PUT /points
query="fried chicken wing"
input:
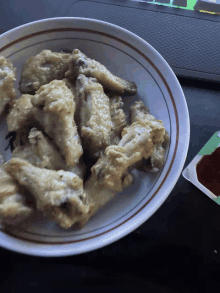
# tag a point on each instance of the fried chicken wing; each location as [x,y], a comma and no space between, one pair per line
[99,194]
[58,193]
[139,112]
[138,142]
[154,163]
[42,153]
[95,118]
[79,63]
[118,118]
[41,69]
[20,114]
[71,85]
[7,80]
[54,110]
[13,208]
[39,152]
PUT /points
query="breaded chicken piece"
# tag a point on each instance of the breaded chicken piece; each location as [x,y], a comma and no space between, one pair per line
[54,109]
[39,152]
[7,81]
[41,69]
[99,194]
[70,83]
[95,118]
[79,63]
[118,118]
[139,112]
[13,208]
[154,163]
[20,113]
[138,142]
[42,153]
[58,193]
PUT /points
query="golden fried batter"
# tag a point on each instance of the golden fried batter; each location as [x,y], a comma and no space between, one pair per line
[41,69]
[58,193]
[96,125]
[140,114]
[54,110]
[99,194]
[42,153]
[39,152]
[20,113]
[118,118]
[13,208]
[137,142]
[7,80]
[79,63]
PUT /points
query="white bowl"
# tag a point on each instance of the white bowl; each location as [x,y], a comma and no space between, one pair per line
[130,57]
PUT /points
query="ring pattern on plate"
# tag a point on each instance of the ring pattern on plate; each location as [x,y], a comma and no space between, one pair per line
[9,232]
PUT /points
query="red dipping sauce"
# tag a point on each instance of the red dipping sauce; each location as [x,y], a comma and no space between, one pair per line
[208,171]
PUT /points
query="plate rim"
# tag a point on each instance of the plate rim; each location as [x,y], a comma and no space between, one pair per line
[139,220]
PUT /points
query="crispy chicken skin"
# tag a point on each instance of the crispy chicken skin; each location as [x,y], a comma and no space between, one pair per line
[95,118]
[13,208]
[58,193]
[20,113]
[7,80]
[99,194]
[54,109]
[39,152]
[41,69]
[118,118]
[139,112]
[42,153]
[138,142]
[79,63]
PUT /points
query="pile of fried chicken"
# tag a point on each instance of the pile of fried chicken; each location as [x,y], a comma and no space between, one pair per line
[73,147]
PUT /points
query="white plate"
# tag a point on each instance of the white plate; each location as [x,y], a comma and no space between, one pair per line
[132,58]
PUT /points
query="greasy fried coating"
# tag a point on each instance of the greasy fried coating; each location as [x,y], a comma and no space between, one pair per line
[58,193]
[95,118]
[154,163]
[118,118]
[138,142]
[12,204]
[99,194]
[140,114]
[79,63]
[42,153]
[39,152]
[41,69]
[54,110]
[7,80]
[71,85]
[20,113]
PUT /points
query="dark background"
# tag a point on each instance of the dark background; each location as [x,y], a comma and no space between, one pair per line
[176,250]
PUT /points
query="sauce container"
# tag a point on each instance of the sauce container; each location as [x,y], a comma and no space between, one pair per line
[204,169]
